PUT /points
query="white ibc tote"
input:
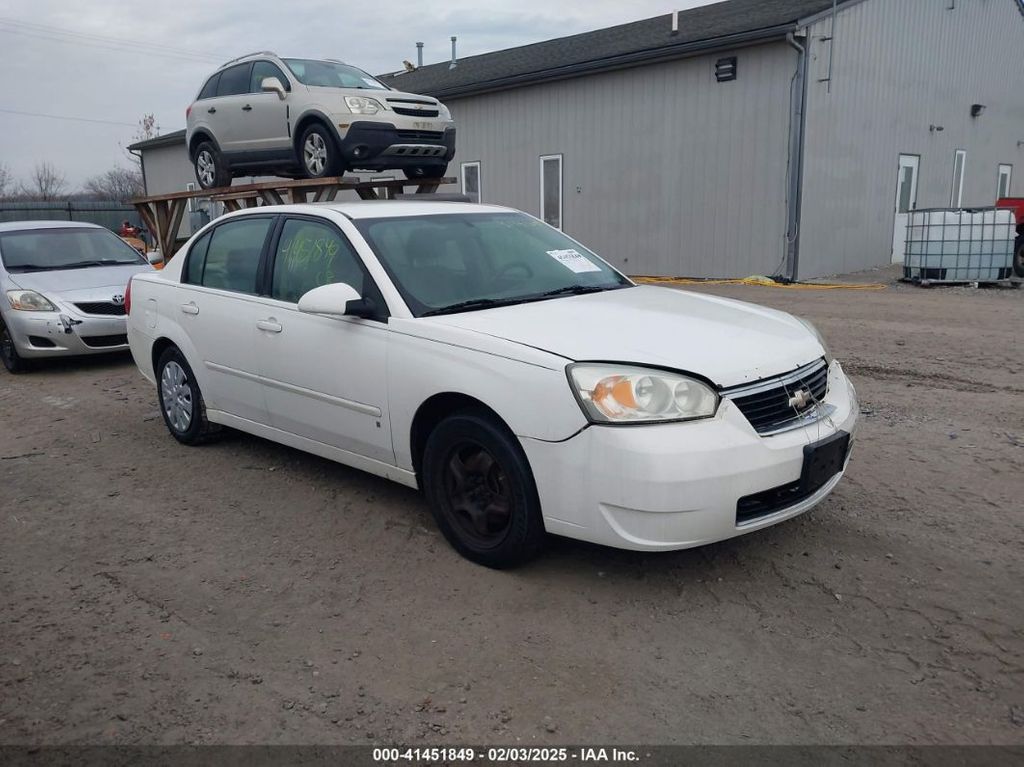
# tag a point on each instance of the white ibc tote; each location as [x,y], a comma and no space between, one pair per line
[959,245]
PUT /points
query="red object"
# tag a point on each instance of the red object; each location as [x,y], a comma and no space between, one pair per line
[188,111]
[127,230]
[1016,204]
[128,297]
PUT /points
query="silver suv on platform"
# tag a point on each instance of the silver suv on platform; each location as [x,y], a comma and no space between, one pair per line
[263,114]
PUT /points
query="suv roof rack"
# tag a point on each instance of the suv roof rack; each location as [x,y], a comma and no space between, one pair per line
[247,55]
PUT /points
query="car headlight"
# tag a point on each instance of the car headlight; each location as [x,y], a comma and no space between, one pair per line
[362,105]
[817,334]
[29,301]
[626,394]
[443,112]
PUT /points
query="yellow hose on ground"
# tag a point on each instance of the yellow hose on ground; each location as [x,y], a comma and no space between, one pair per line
[764,282]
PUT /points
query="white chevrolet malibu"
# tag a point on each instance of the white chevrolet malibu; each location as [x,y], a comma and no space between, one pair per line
[479,354]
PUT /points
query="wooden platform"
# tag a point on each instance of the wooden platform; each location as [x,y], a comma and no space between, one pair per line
[162,214]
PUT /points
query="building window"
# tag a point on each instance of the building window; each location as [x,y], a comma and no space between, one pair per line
[959,165]
[551,189]
[1003,187]
[471,181]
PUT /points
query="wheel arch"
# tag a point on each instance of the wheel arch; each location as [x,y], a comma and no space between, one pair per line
[159,347]
[198,138]
[433,411]
[304,121]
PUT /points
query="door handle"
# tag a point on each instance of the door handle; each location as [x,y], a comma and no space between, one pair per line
[270,325]
[211,110]
[190,308]
[247,108]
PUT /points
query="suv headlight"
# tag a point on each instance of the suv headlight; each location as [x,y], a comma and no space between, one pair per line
[443,112]
[29,301]
[363,105]
[817,334]
[626,394]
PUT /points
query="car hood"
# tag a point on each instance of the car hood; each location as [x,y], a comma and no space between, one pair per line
[728,342]
[94,282]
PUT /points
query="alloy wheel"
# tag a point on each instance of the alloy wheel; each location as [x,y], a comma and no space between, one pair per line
[314,152]
[478,494]
[176,395]
[205,168]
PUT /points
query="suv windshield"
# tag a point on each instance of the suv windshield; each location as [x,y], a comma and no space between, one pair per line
[37,250]
[460,262]
[332,74]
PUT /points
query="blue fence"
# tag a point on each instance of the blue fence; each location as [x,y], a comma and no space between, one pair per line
[104,213]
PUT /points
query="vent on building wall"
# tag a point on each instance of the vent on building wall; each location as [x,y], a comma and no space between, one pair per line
[725,69]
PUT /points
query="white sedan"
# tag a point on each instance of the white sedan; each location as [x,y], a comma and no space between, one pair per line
[522,382]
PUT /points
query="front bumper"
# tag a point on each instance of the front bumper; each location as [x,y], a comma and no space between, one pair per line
[675,486]
[382,146]
[46,334]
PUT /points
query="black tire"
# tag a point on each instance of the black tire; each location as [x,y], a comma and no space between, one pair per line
[173,370]
[209,167]
[491,515]
[318,154]
[8,354]
[1018,258]
[418,172]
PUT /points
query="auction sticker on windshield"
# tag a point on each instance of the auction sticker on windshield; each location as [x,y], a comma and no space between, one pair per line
[574,261]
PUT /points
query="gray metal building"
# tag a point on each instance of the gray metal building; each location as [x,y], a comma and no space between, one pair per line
[749,136]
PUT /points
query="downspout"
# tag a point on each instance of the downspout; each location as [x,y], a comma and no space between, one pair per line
[797,125]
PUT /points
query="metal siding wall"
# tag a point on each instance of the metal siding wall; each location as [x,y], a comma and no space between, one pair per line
[900,66]
[678,174]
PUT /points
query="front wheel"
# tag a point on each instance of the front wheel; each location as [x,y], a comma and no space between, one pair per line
[481,491]
[181,402]
[320,156]
[8,352]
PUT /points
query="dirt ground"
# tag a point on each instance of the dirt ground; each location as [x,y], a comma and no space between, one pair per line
[244,592]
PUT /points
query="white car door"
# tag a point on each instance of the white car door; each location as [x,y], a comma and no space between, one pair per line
[219,309]
[263,126]
[324,376]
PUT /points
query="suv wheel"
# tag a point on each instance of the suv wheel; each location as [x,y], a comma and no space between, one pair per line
[209,167]
[418,172]
[319,154]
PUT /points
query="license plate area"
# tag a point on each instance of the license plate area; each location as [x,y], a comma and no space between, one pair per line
[823,460]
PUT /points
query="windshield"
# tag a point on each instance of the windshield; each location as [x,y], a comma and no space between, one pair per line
[461,262]
[331,74]
[36,250]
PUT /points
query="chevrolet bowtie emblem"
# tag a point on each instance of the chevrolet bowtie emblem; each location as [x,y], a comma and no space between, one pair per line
[801,399]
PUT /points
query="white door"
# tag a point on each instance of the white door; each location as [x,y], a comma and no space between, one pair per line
[906,201]
[1003,184]
[219,309]
[324,376]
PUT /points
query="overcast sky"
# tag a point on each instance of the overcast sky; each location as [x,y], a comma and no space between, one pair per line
[115,61]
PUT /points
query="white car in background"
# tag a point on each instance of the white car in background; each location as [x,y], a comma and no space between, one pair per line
[62,286]
[481,355]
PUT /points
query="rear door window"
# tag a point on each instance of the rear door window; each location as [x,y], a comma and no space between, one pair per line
[234,80]
[233,255]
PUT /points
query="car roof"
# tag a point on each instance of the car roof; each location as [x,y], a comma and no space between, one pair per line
[20,226]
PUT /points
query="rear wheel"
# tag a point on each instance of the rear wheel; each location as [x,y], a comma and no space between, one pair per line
[181,402]
[418,172]
[481,491]
[1018,258]
[319,154]
[8,353]
[210,169]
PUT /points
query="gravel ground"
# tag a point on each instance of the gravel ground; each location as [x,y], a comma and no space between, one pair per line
[244,592]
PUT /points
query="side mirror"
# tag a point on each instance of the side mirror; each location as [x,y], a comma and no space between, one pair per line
[337,300]
[273,85]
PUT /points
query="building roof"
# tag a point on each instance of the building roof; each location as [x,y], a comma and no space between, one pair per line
[709,27]
[166,139]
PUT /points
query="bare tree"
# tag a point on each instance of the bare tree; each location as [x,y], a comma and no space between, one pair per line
[148,128]
[116,184]
[45,183]
[6,179]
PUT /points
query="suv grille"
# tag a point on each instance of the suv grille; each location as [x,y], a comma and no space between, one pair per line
[105,308]
[766,404]
[420,135]
[425,112]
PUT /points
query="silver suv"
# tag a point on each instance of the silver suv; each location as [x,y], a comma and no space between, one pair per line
[264,114]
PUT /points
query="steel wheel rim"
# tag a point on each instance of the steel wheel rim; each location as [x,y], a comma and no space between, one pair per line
[205,166]
[315,153]
[478,495]
[176,395]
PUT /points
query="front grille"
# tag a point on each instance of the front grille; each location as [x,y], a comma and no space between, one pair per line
[105,308]
[101,342]
[420,135]
[425,112]
[766,404]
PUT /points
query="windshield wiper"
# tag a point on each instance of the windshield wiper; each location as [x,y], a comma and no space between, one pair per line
[98,262]
[471,304]
[578,290]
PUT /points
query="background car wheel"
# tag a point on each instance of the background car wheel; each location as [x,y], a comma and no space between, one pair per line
[425,171]
[318,153]
[1018,259]
[8,354]
[481,491]
[209,167]
[181,402]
